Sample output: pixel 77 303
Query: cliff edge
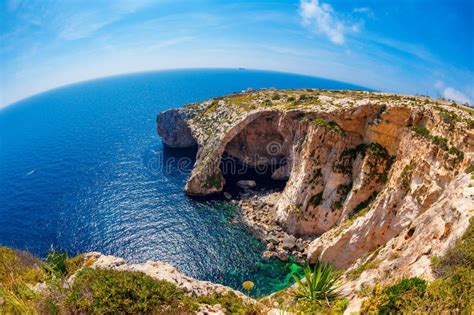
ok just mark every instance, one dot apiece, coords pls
pixel 370 177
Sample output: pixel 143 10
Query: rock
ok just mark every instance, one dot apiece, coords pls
pixel 267 255
pixel 270 246
pixel 347 153
pixel 160 271
pixel 39 287
pixel 289 242
pixel 282 255
pixel 174 129
pixel 281 173
pixel 246 184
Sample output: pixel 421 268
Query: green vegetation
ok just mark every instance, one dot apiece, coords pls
pixel 370 263
pixel 470 169
pixel 406 176
pixel 19 271
pixel 213 181
pixel 320 283
pixel 276 97
pixel 212 108
pixel 342 191
pixel 399 298
pixel 95 291
pixel 267 103
pixel 451 292
pixel 99 291
pixel 422 131
pixel 331 125
pixel 316 199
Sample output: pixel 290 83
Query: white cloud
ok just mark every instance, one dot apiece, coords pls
pixel 320 17
pixel 455 95
pixel 452 94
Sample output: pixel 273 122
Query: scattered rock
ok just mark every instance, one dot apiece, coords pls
pixel 289 242
pixel 246 184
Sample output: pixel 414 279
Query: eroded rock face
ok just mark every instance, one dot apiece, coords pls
pixel 367 172
pixel 174 130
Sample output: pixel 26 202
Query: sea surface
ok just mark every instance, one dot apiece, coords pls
pixel 83 169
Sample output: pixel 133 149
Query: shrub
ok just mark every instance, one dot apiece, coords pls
pixel 19 271
pixel 422 131
pixel 458 153
pixel 441 142
pixel 316 199
pixel 100 291
pixel 399 298
pixel 56 262
pixel 319 284
pixel 452 292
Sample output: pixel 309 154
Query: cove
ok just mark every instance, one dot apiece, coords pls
pixel 82 169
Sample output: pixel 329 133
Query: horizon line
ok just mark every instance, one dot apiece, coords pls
pixel 2 107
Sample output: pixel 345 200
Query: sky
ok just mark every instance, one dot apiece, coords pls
pixel 406 46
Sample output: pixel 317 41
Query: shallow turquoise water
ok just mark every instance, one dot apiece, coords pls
pixel 78 172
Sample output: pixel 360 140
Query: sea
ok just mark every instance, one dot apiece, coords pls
pixel 82 168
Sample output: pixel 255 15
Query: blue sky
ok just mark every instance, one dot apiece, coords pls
pixel 409 46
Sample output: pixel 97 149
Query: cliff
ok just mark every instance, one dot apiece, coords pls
pixel 371 177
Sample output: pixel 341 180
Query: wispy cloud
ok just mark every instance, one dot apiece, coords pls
pixel 452 94
pixel 364 10
pixel 320 17
pixel 168 43
pixel 455 95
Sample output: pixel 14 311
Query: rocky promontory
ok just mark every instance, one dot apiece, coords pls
pixel 370 177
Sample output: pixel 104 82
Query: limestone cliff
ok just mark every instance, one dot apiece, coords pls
pixel 370 175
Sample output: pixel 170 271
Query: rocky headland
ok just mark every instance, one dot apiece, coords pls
pixel 377 184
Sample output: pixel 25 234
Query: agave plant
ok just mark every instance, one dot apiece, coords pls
pixel 319 284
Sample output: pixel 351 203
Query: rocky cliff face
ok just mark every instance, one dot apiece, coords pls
pixel 371 176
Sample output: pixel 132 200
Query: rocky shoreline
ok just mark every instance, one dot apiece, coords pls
pixel 258 214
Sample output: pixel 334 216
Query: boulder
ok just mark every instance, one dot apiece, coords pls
pixel 246 184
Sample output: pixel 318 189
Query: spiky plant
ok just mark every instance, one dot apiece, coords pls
pixel 320 283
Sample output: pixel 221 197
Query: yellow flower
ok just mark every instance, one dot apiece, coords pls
pixel 90 262
pixel 248 285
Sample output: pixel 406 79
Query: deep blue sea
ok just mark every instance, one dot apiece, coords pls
pixel 78 171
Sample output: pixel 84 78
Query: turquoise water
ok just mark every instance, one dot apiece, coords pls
pixel 78 172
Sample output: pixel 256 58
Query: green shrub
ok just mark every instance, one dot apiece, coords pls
pixel 100 291
pixel 441 142
pixel 461 254
pixel 276 97
pixel 19 271
pixel 320 283
pixel 56 262
pixel 458 153
pixel 316 199
pixel 402 297
pixel 422 131
pixel 267 103
pixel 452 292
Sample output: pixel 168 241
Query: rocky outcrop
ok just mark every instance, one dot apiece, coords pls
pixel 173 128
pixel 160 271
pixel 370 176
